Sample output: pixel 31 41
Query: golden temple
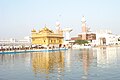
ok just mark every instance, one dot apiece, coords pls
pixel 46 36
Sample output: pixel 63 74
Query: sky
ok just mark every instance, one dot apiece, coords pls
pixel 19 17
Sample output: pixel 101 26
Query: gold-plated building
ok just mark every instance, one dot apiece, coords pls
pixel 46 36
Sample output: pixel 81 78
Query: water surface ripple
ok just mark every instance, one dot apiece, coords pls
pixel 79 64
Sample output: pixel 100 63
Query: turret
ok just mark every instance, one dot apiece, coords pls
pixel 33 30
pixel 84 28
pixel 57 27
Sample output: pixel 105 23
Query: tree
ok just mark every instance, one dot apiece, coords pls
pixel 81 42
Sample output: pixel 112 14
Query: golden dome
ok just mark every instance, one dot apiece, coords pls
pixel 33 30
pixel 45 30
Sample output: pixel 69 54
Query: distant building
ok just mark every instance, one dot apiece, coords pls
pixel 15 42
pixel 47 37
pixel 101 37
pixel 105 37
pixel 67 33
pixel 86 33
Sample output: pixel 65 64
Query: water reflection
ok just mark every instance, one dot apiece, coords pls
pixel 107 56
pixel 78 62
pixel 10 59
pixel 85 64
pixel 87 60
pixel 86 57
pixel 48 62
pixel 68 59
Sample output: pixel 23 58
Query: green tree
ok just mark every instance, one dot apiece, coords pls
pixel 81 42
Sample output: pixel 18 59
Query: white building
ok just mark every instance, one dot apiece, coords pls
pixel 67 33
pixel 105 37
pixel 14 42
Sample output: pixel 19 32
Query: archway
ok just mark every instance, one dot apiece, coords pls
pixel 102 41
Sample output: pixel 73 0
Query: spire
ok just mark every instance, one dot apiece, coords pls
pixel 33 30
pixel 57 23
pixel 84 28
pixel 45 26
pixel 83 19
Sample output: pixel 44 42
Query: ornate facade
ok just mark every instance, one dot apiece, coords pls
pixel 46 36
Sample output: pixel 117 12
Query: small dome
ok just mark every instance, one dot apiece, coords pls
pixel 57 23
pixel 33 30
pixel 83 19
pixel 45 30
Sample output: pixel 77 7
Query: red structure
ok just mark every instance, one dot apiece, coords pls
pixel 86 34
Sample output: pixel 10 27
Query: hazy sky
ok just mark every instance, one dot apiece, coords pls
pixel 19 17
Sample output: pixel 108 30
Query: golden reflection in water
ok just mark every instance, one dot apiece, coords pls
pixel 44 62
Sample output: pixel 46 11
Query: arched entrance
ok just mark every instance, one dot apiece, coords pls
pixel 102 41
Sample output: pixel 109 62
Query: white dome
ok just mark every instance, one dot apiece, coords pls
pixel 83 19
pixel 57 23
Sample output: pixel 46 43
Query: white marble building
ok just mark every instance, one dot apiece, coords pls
pixel 105 37
pixel 15 42
pixel 67 33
